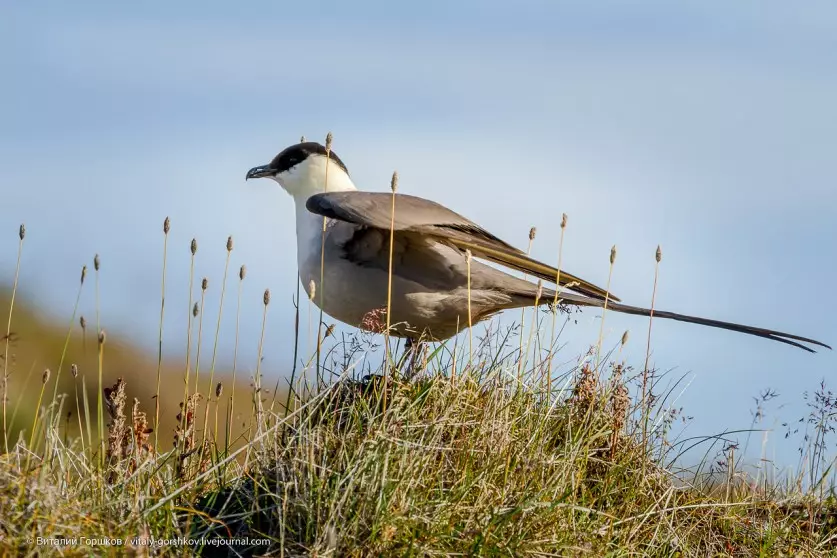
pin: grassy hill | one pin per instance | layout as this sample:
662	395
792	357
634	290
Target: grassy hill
476	454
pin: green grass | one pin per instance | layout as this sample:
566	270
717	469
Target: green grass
500	460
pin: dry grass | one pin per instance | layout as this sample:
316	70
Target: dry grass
353	463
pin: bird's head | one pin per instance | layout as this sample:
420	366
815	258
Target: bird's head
302	170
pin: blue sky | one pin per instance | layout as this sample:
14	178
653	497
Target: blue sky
706	127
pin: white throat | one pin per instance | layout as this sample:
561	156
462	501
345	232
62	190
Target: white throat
302	182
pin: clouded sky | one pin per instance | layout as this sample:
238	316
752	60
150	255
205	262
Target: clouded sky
706	127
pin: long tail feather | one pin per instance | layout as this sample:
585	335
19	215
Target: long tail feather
787	338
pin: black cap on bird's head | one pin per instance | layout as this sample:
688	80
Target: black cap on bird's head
292	156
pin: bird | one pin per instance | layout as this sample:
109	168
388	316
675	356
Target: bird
436	278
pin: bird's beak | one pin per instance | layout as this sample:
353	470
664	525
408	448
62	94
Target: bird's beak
260	172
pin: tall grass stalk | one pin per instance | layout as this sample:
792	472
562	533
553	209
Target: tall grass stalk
166	228
193	249
657	257
555	302
387	356
321	286
604	308
4	393
532	233
69	333
242	273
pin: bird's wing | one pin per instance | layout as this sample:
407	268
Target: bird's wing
425	217
787	338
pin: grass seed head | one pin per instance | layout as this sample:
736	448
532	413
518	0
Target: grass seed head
83	273
22	231
312	289
242	272
195	310
166	226
393	184
613	254
266	298
625	338
45	376
659	255
102	337
532	232
229	244
563	220
204	284
219	389
193	247
329	141
74	370
96	262
82	322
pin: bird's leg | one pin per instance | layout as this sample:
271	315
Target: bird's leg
415	348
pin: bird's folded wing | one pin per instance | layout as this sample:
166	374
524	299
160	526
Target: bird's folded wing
418	215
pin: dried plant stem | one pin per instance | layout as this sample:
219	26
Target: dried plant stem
78	414
387	355
468	258
296	353
160	337
658	257
604	308
69	333
5	391
100	416
32	448
200	342
215	352
555	302
188	365
230	413
321	286
523	313
100	361
257	381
